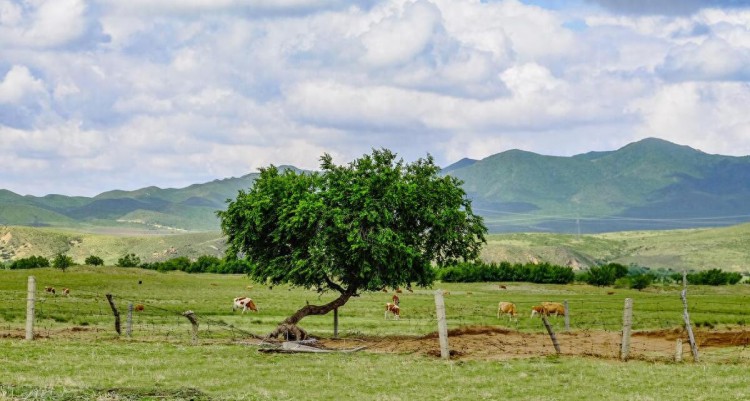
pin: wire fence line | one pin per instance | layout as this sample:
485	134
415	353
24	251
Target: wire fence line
595	325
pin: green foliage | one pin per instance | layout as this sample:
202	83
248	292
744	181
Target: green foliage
714	277
94	261
204	264
29	263
62	261
641	281
472	272
373	223
604	275
129	260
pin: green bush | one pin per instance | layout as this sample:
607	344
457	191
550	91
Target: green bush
62	262
29	263
129	260
472	272
605	275
94	261
641	281
714	277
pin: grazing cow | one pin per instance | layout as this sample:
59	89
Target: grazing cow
139	308
548	308
396	300
399	291
507	308
394	309
502	287
244	303
50	289
384	289
66	291
610	292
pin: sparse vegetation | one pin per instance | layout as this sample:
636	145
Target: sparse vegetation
129	260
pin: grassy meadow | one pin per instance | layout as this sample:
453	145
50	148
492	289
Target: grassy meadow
78	355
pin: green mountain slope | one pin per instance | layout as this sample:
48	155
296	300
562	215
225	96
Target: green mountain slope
650	184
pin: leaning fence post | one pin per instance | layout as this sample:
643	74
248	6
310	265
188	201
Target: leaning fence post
129	321
442	325
194	322
567	315
551	334
117	314
30	301
686	316
627	323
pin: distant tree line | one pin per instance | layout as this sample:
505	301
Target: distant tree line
541	273
204	264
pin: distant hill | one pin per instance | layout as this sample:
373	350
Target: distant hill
191	208
650	184
691	249
646	185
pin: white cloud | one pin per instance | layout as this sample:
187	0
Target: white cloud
399	38
19	85
709	116
204	89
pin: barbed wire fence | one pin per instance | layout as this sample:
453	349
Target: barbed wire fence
588	329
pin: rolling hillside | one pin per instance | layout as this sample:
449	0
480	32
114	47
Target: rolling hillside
691	249
646	185
650	184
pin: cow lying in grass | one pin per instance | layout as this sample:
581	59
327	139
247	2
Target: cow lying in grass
244	303
392	309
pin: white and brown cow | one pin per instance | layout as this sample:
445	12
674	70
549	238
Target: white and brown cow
396	300
392	309
244	303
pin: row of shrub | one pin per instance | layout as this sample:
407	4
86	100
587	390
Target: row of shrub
204	264
471	272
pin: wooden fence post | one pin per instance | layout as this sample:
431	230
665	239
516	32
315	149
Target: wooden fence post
335	322
194	322
678	350
686	316
551	333
30	305
567	315
116	312
129	321
442	325
627	323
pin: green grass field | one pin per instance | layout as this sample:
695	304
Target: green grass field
78	355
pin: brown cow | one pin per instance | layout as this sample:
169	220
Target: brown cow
396	300
507	308
548	309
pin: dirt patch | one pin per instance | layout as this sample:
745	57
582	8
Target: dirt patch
493	343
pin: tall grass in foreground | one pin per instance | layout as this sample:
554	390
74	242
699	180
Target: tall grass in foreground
119	370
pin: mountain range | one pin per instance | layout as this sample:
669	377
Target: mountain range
649	184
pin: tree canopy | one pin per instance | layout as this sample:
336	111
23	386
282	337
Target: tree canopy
376	222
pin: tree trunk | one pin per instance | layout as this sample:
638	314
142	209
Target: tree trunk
288	328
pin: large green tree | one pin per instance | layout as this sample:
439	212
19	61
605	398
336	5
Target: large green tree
376	222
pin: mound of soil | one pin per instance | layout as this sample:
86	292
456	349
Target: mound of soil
495	343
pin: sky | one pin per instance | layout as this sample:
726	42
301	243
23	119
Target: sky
123	94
